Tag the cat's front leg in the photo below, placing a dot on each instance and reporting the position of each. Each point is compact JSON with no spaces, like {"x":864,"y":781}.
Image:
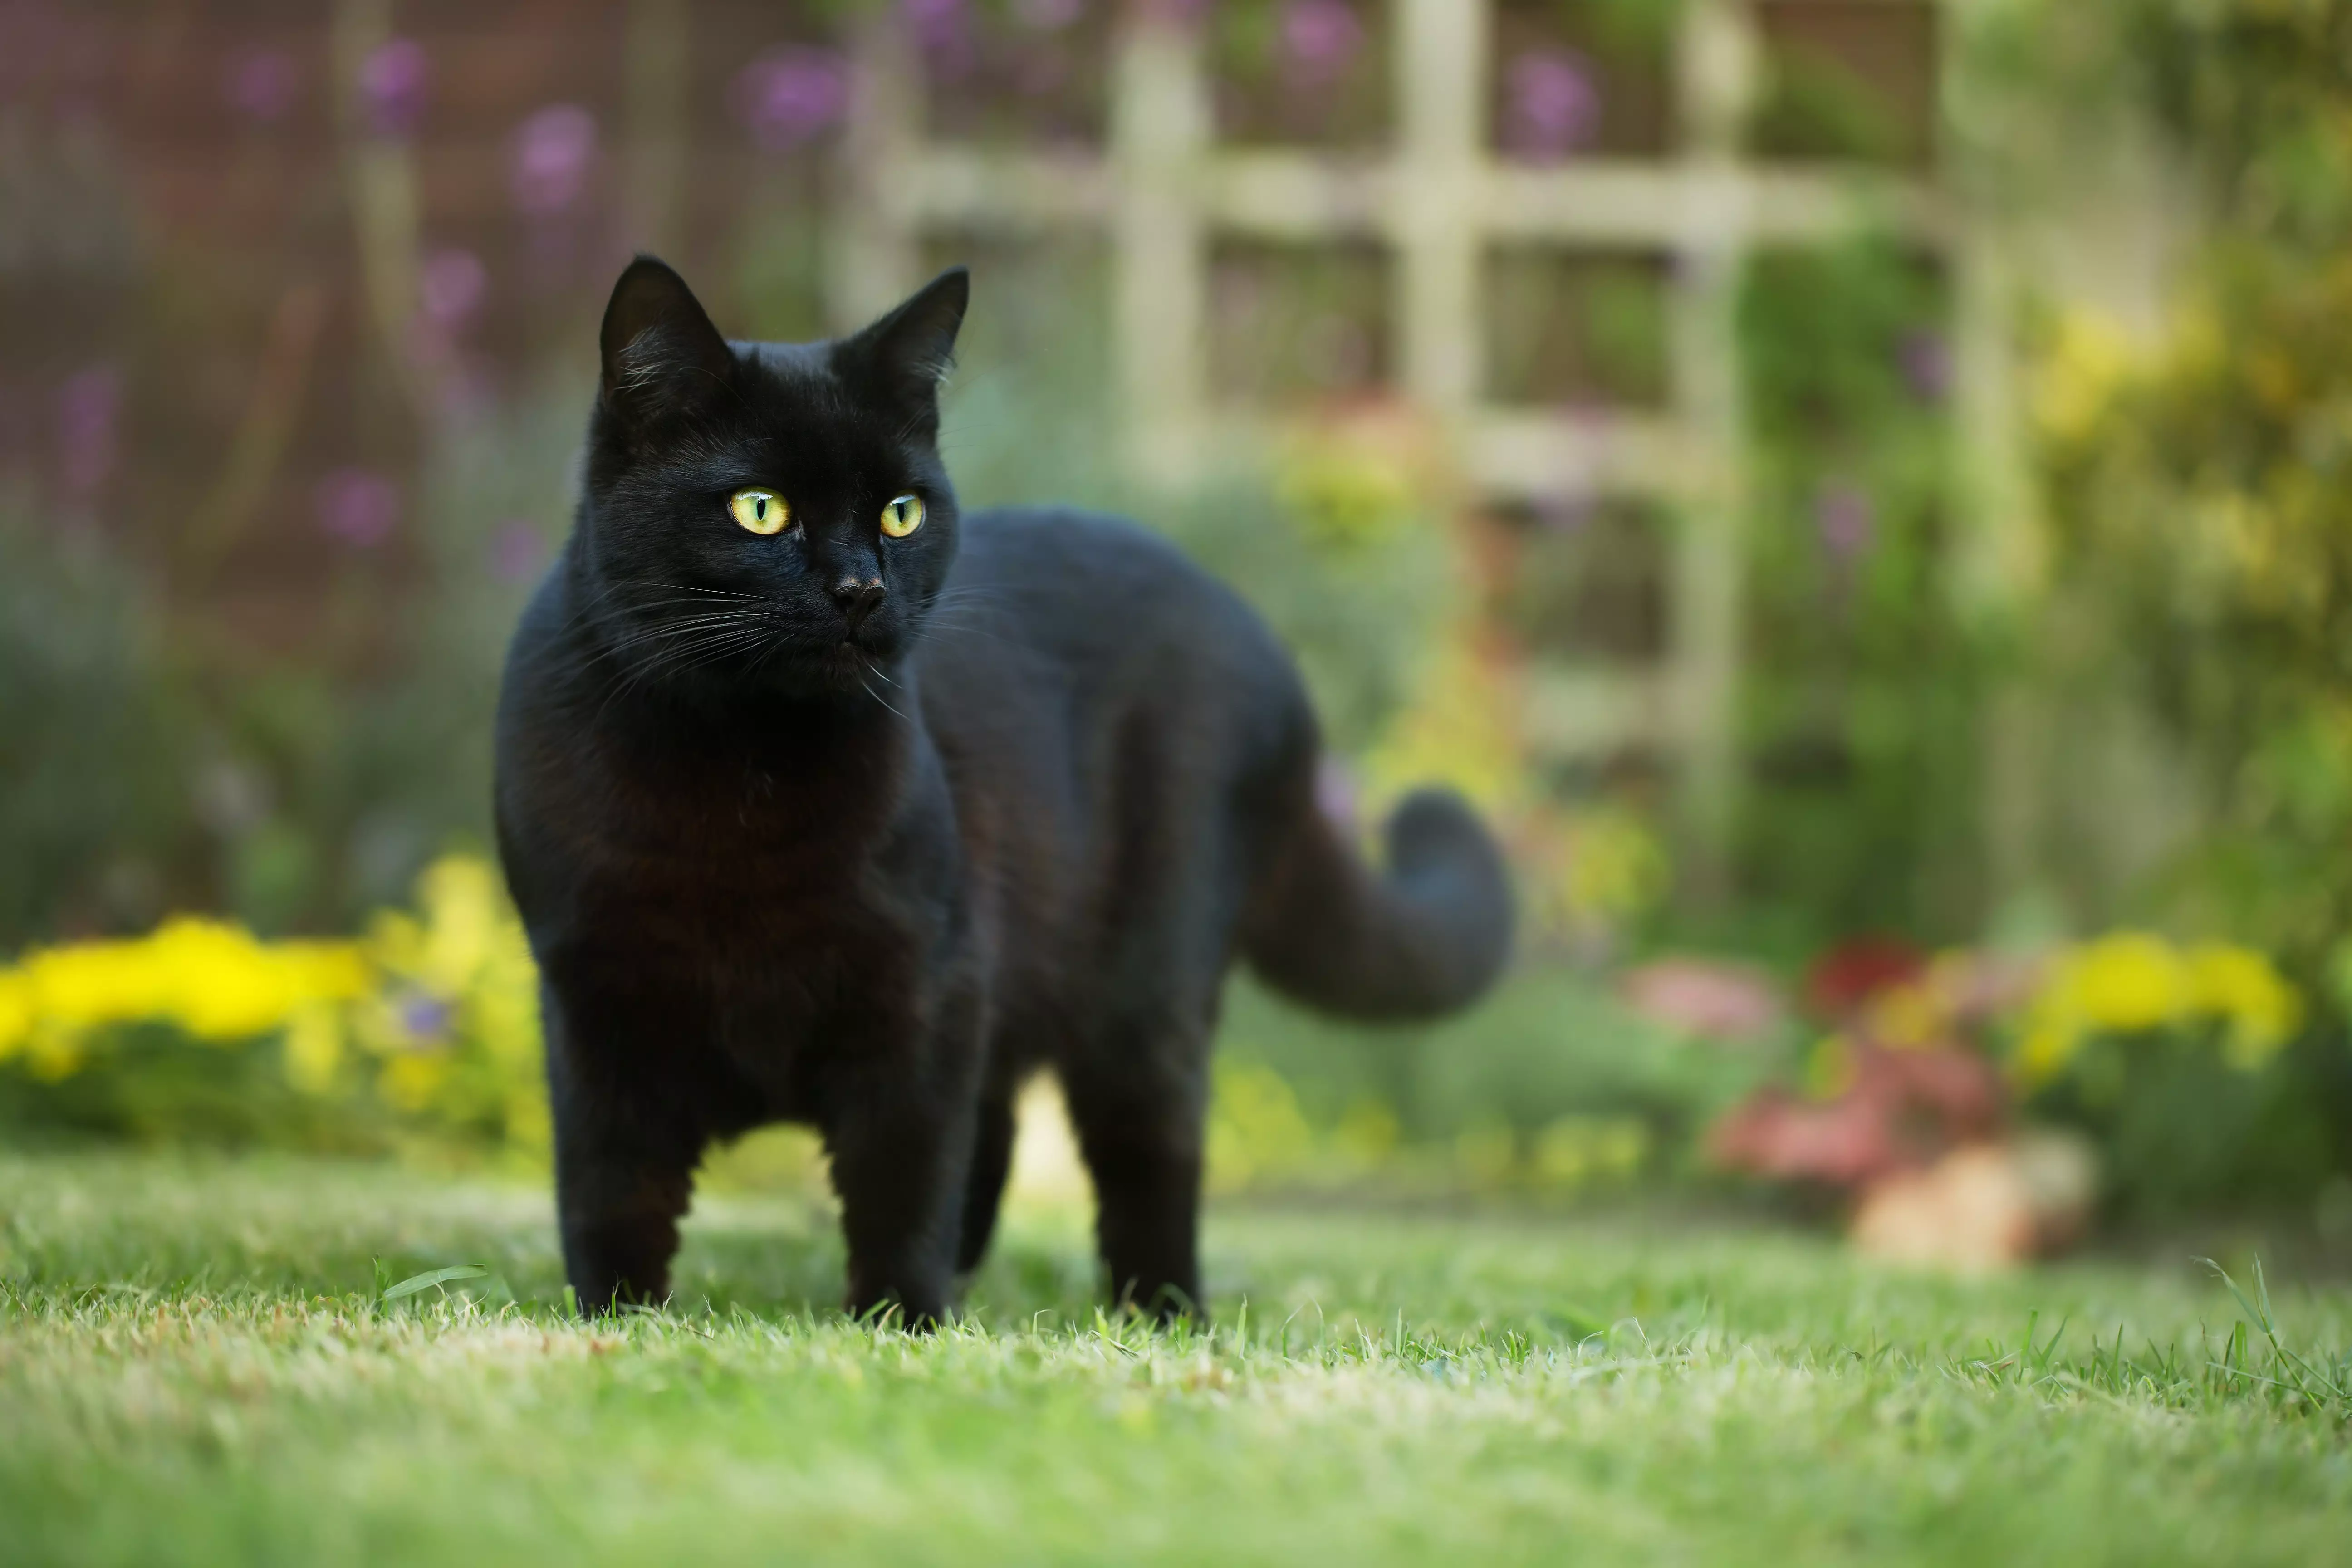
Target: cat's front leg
{"x":624,"y":1166}
{"x":900,"y":1129}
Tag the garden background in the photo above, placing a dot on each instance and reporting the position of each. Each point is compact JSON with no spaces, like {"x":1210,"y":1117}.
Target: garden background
{"x":1855,"y":488}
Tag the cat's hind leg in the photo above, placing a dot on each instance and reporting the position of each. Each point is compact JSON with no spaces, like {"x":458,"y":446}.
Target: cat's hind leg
{"x":983,"y":1192}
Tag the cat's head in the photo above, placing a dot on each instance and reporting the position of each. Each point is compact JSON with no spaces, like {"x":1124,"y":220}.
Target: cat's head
{"x":773,"y":515}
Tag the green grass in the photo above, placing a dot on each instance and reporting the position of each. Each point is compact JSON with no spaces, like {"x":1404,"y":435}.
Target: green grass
{"x":197,"y":1365}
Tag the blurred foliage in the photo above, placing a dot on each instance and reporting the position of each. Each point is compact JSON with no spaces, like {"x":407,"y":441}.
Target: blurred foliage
{"x":2132,"y":982}
{"x":160,"y":754}
{"x":2186,"y":1063}
{"x":89,"y":806}
{"x":1339,"y":537}
{"x":423,"y":1033}
{"x":152,"y":765}
{"x":1861,"y":687}
{"x":2183,"y":1064}
{"x":1561,"y":326}
{"x":1301,"y":71}
{"x":1548,"y":1086}
{"x":422,"y":1036}
{"x":2199,"y":499}
{"x":2201,"y":518}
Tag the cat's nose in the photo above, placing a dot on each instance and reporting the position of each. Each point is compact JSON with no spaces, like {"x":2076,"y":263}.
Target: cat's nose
{"x":859,"y":598}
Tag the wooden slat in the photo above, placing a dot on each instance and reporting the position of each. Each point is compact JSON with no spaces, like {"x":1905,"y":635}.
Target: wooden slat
{"x":1528,"y":456}
{"x":873,"y":240}
{"x":1295,"y":195}
{"x":971,"y":189}
{"x":1573,"y":712}
{"x":1306,"y":197}
{"x":1441,"y":58}
{"x":1715,"y":70}
{"x":1160,"y":127}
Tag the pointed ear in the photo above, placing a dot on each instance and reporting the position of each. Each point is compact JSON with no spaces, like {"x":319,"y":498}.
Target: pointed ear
{"x":663,"y":358}
{"x":902,"y":357}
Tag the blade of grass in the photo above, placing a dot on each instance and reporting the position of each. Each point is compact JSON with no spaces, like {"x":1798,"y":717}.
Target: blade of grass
{"x":417,"y":1283}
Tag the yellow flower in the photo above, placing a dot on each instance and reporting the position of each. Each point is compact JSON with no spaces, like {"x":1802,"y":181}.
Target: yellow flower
{"x":461,"y":959}
{"x":89,"y":985}
{"x":2088,"y":358}
{"x":1616,"y":865}
{"x":2132,"y":983}
{"x":1345,"y":499}
{"x":16,"y":1013}
{"x":2043,"y":1051}
{"x":1255,"y":1127}
{"x":2128,"y":982}
{"x":314,"y":1048}
{"x":2239,"y":985}
{"x":1577,"y":1149}
{"x":1908,"y":1017}
{"x":411,"y":1081}
{"x":212,"y":980}
{"x":462,"y":906}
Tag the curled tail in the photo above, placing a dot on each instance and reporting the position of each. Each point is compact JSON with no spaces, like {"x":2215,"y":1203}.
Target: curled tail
{"x":1426,"y":936}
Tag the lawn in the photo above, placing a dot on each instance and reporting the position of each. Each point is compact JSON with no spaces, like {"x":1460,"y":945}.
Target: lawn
{"x":197,"y":1365}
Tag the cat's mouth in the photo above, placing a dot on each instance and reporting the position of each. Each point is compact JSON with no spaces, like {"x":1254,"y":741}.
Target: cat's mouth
{"x":849,"y":661}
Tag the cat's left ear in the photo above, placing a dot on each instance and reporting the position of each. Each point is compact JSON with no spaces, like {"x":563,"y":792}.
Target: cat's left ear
{"x":903,"y":356}
{"x":662,"y":360}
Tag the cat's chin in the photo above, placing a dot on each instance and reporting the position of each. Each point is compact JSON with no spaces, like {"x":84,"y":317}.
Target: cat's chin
{"x":848,"y":667}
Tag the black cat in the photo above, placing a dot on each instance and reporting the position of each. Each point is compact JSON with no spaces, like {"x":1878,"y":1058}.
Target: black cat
{"x":826,"y":803}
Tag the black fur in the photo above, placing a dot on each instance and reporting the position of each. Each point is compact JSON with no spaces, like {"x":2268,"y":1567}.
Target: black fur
{"x":831,"y":827}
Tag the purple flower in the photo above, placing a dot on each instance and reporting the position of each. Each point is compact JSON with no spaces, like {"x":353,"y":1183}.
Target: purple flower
{"x":1048,"y":15}
{"x":553,"y":152}
{"x":791,"y":96}
{"x":358,"y":506}
{"x":1845,"y":520}
{"x":260,"y":84}
{"x":1335,"y":792}
{"x":936,"y":24}
{"x":516,"y":552}
{"x":426,"y":1019}
{"x":1321,"y":37}
{"x":395,"y":80}
{"x":1555,"y":103}
{"x":89,"y":406}
{"x":450,"y":286}
{"x":1925,"y":360}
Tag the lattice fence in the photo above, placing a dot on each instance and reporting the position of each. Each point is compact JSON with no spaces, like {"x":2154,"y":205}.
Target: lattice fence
{"x":1164,"y":192}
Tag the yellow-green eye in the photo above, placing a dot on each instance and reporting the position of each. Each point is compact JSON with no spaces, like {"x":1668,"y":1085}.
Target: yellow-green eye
{"x":761,"y":511}
{"x":902,"y":516}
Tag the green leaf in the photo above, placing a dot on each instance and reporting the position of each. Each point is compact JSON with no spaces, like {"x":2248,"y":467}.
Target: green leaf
{"x":432,"y":1277}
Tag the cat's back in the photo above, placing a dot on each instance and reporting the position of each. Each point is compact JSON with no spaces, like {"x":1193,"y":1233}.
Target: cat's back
{"x":1106,"y":712}
{"x":1101,"y":600}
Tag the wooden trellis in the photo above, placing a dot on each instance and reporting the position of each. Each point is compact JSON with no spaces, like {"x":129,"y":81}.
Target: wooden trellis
{"x":1437,"y":199}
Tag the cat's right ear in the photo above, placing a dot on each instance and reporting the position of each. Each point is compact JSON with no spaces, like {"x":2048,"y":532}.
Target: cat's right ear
{"x":662,"y":360}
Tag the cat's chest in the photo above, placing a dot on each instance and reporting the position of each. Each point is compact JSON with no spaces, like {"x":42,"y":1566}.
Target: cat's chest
{"x":727,"y":862}
{"x":729,"y":851}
